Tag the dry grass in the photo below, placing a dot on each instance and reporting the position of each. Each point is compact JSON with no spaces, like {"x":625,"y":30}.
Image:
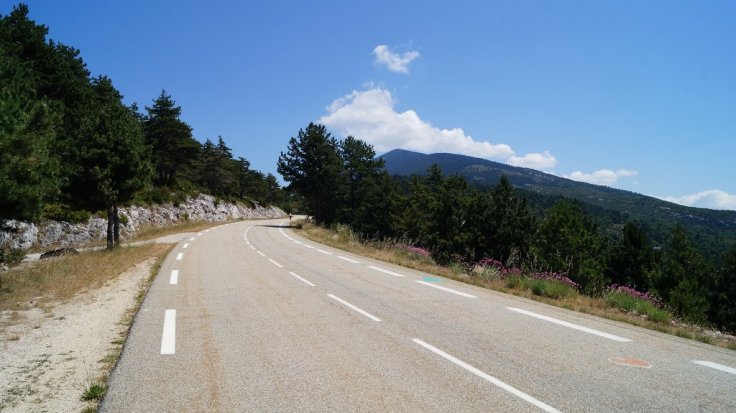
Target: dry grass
{"x":385,"y":251}
{"x":44,"y":282}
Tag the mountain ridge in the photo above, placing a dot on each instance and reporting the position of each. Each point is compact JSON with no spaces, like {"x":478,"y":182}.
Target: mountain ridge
{"x":716,"y":227}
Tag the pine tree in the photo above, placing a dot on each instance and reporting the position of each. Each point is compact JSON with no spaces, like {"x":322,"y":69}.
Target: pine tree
{"x":28,"y":172}
{"x":682,"y":278}
{"x":632,"y":258}
{"x":313,"y":168}
{"x":170,"y":139}
{"x":109,"y":160}
{"x":568,"y":240}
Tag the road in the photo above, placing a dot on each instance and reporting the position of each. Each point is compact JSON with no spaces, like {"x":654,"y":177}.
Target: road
{"x":250,"y":317}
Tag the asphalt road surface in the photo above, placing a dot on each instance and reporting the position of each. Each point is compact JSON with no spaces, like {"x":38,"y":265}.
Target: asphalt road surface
{"x":250,"y":317}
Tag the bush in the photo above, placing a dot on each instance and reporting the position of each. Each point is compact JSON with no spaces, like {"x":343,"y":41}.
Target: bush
{"x":63,"y":212}
{"x":631,"y":304}
{"x":551,"y":289}
{"x":11,"y":256}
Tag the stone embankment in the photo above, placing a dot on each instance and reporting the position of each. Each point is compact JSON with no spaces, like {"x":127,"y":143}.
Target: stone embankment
{"x":55,"y":234}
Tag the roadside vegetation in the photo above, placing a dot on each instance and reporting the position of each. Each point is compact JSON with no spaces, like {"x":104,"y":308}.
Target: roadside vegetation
{"x":617,"y":303}
{"x":70,"y":147}
{"x":459,"y":225}
{"x":46,"y":282}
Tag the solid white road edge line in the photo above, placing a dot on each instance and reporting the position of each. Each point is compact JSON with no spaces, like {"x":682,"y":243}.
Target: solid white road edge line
{"x":251,"y":247}
{"x":179,"y":256}
{"x":260,"y":253}
{"x":308,"y":246}
{"x":348,"y":259}
{"x":395,"y":274}
{"x":516,"y":392}
{"x":365,"y":313}
{"x":276,"y":263}
{"x":174,"y":277}
{"x":168,"y":338}
{"x":324,"y":252}
{"x":449,"y":290}
{"x":570,"y":325}
{"x":302,"y":279}
{"x":716,"y":366}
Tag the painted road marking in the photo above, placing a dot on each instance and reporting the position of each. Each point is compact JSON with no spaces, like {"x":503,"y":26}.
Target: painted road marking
{"x":496,"y":382}
{"x":324,"y":252}
{"x":260,"y":253}
{"x":206,"y":230}
{"x":168,"y":338}
{"x":365,"y":313}
{"x":174,"y":277}
{"x":308,"y":246}
{"x":302,"y":279}
{"x":179,"y":256}
{"x":251,"y":247}
{"x":716,"y":366}
{"x":395,"y":274}
{"x":630,"y":361}
{"x":449,"y":290}
{"x":348,"y":259}
{"x":185,"y":246}
{"x":570,"y":325}
{"x":276,"y":263}
{"x":298,"y":242}
{"x":191,"y":239}
{"x":431,"y":279}
{"x":199,"y":233}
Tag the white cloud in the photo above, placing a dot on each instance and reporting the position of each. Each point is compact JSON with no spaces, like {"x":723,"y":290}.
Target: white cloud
{"x":395,"y":62}
{"x":602,"y":176}
{"x":544,"y":160}
{"x":370,"y":115}
{"x":712,"y":198}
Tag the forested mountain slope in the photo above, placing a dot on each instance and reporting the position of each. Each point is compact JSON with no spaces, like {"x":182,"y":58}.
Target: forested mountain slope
{"x":712,"y":230}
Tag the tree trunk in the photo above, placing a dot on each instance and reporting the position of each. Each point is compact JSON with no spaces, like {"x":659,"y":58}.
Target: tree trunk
{"x":116,"y":225}
{"x":110,"y":224}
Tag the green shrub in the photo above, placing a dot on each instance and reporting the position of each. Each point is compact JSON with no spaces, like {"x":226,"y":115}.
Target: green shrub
{"x":63,"y":212}
{"x":11,"y":256}
{"x":551,"y":289}
{"x":123,"y":219}
{"x":513,"y":282}
{"x":94,"y":392}
{"x":631,"y":304}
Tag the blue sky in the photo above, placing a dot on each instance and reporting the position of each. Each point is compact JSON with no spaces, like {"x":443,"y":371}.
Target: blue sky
{"x":638,"y":95}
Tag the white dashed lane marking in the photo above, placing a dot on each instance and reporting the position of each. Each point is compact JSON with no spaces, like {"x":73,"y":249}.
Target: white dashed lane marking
{"x":174,"y":279}
{"x":179,"y":256}
{"x":168,"y":338}
{"x":496,"y":382}
{"x":347,"y":304}
{"x":570,"y":325}
{"x":302,"y":279}
{"x":449,"y":290}
{"x":716,"y":366}
{"x":348,"y":259}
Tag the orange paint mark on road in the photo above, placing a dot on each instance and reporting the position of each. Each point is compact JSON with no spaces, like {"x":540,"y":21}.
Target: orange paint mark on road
{"x":629,"y":361}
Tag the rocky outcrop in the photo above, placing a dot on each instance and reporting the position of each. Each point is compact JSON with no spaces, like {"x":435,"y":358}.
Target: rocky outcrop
{"x":16,"y":234}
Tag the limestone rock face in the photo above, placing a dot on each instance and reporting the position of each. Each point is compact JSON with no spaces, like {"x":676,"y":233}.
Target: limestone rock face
{"x":17,"y":234}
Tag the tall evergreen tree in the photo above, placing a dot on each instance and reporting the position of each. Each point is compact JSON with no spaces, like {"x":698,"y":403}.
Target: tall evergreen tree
{"x":723,"y":294}
{"x":359,"y":167}
{"x":313,"y":168}
{"x":109,"y":160}
{"x":632,"y":258}
{"x":683,"y":277}
{"x":170,"y":139}
{"x":568,"y":240}
{"x":28,"y":172}
{"x":510,"y":225}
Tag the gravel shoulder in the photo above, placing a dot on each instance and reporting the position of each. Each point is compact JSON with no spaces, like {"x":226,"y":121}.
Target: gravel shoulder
{"x":48,"y":359}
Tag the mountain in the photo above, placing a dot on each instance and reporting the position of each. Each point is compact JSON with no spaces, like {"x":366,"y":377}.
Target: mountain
{"x":713,"y":230}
